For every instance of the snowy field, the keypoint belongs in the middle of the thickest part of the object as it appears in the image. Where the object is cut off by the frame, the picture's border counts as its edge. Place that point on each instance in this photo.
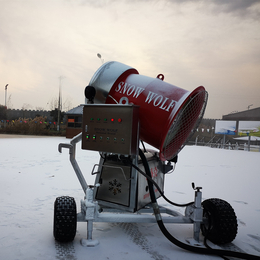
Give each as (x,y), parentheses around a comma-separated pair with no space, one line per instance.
(33,173)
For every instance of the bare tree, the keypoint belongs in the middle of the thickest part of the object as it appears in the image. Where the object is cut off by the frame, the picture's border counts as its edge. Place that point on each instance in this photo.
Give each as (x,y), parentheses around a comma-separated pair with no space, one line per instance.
(26,106)
(39,108)
(53,103)
(67,104)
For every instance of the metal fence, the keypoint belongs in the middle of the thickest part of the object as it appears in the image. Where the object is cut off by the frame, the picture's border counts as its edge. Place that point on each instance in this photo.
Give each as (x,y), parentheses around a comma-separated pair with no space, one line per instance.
(229,145)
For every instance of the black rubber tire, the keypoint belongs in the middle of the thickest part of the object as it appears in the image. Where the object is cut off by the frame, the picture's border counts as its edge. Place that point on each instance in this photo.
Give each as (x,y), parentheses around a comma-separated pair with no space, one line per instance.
(65,219)
(221,226)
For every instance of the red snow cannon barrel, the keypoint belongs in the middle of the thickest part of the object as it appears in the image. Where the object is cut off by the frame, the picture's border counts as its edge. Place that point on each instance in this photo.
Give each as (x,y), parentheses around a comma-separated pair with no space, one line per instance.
(168,114)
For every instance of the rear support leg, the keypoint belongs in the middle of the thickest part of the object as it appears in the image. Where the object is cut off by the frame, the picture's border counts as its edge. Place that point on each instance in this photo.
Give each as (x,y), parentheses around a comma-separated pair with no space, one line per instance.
(89,209)
(195,213)
(198,213)
(89,242)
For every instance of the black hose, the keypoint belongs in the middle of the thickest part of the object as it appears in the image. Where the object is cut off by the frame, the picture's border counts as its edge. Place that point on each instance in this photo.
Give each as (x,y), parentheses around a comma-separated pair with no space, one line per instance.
(159,189)
(206,238)
(175,241)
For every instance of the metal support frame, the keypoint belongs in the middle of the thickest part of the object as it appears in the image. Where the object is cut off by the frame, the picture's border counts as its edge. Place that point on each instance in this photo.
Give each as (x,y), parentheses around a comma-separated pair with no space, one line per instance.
(91,211)
(72,152)
(195,213)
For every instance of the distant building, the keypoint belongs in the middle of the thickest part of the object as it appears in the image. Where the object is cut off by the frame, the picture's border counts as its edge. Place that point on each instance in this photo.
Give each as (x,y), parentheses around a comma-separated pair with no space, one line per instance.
(74,121)
(247,115)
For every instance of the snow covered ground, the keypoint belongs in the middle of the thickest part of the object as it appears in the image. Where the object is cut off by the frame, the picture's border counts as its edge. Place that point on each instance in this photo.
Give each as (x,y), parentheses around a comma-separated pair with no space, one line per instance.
(33,173)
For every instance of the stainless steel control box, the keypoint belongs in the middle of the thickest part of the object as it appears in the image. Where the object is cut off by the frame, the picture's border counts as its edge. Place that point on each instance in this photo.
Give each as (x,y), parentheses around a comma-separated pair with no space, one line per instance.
(124,188)
(110,128)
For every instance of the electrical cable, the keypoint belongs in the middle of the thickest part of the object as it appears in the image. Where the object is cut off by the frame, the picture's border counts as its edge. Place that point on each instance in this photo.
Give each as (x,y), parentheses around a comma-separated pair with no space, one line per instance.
(159,189)
(175,241)
(142,142)
(127,161)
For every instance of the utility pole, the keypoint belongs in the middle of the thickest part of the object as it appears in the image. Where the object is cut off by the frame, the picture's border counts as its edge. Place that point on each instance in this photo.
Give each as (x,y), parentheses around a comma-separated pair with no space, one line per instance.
(59,104)
(5,93)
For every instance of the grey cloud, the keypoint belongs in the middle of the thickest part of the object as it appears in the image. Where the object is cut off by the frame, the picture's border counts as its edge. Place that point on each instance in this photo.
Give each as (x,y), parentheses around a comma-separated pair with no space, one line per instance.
(243,8)
(236,7)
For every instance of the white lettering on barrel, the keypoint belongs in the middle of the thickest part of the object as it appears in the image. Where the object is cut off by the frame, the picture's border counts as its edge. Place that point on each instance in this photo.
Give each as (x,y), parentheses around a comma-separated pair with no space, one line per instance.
(138,91)
(128,89)
(119,86)
(124,88)
(157,101)
(161,107)
(172,105)
(150,97)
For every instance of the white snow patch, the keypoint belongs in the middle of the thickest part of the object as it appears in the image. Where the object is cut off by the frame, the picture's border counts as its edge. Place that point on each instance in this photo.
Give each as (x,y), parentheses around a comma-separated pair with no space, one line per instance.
(33,173)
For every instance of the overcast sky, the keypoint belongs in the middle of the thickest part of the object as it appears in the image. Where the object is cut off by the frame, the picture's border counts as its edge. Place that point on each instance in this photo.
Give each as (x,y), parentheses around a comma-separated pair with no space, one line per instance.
(215,44)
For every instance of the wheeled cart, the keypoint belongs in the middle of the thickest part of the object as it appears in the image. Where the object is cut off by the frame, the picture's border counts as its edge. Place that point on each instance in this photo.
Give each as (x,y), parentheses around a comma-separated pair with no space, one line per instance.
(121,191)
(124,110)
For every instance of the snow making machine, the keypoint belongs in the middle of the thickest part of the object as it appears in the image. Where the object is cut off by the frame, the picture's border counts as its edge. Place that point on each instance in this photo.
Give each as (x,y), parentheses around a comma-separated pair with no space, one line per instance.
(124,111)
